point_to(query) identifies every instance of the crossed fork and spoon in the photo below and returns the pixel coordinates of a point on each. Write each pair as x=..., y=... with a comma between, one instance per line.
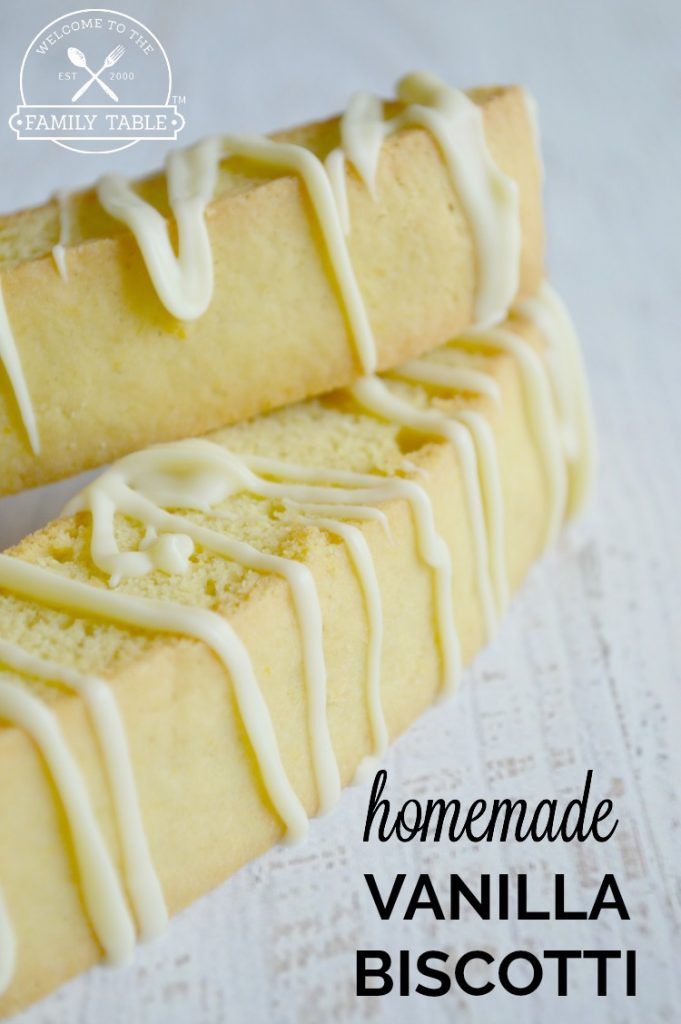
x=78, y=58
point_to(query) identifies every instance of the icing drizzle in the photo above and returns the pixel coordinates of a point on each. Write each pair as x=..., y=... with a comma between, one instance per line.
x=199, y=476
x=10, y=359
x=362, y=561
x=490, y=197
x=184, y=281
x=375, y=396
x=194, y=475
x=102, y=892
x=541, y=414
x=8, y=950
x=62, y=198
x=567, y=375
x=49, y=587
x=99, y=699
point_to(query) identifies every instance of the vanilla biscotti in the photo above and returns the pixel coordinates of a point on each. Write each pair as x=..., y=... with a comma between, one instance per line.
x=107, y=349
x=343, y=557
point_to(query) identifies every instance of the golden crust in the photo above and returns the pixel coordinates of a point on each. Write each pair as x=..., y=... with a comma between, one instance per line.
x=202, y=799
x=110, y=371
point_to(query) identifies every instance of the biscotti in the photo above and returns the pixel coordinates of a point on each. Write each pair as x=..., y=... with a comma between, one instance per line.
x=281, y=273
x=343, y=557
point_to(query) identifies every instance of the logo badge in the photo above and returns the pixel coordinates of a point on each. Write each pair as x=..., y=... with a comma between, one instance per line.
x=96, y=81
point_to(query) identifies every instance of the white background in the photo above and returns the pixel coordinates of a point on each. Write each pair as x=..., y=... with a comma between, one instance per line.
x=585, y=672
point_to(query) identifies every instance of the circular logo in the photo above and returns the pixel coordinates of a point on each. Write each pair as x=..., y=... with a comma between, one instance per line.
x=96, y=81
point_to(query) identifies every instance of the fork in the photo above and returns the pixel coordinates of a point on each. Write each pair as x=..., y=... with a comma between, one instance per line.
x=111, y=59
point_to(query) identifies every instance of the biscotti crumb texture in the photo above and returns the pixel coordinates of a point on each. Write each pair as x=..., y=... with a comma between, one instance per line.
x=109, y=370
x=200, y=786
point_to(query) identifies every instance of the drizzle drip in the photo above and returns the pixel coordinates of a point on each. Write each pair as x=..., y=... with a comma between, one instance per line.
x=184, y=282
x=362, y=561
x=49, y=587
x=375, y=396
x=8, y=946
x=102, y=892
x=312, y=171
x=464, y=379
x=489, y=196
x=142, y=881
x=452, y=378
x=59, y=250
x=565, y=366
x=9, y=357
x=200, y=475
x=541, y=414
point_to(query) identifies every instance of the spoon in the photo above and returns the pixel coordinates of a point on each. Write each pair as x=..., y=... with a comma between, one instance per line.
x=77, y=58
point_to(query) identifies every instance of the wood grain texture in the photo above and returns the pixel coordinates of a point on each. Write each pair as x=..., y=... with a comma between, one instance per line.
x=585, y=673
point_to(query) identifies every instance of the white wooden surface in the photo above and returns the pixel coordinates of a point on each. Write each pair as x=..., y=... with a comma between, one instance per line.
x=585, y=672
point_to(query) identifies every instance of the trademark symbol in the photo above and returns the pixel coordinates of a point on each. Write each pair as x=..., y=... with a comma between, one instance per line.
x=179, y=100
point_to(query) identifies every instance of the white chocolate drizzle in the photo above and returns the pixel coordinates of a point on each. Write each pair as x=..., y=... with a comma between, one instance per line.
x=489, y=197
x=363, y=131
x=375, y=396
x=8, y=946
x=10, y=359
x=112, y=494
x=362, y=561
x=62, y=199
x=556, y=397
x=184, y=281
x=104, y=899
x=451, y=378
x=457, y=379
x=50, y=587
x=559, y=411
x=140, y=876
x=287, y=156
x=199, y=476
x=565, y=366
x=542, y=416
x=300, y=483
